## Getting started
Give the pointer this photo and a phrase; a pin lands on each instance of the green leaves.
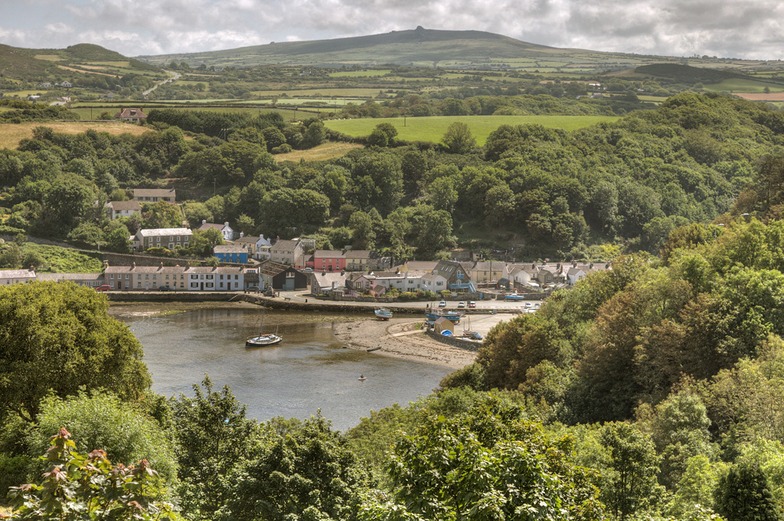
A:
(78, 486)
(57, 338)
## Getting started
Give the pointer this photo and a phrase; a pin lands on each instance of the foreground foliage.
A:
(78, 486)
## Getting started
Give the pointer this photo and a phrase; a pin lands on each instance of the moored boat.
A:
(454, 316)
(267, 339)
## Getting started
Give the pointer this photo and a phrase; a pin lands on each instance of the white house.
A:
(222, 278)
(8, 277)
(225, 229)
(288, 252)
(122, 208)
(169, 238)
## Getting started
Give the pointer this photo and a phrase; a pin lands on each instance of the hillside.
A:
(436, 48)
(79, 64)
(414, 47)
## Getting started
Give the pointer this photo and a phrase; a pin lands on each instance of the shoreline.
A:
(400, 338)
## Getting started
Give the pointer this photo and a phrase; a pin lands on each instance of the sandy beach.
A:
(404, 338)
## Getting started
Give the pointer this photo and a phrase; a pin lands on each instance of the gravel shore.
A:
(402, 338)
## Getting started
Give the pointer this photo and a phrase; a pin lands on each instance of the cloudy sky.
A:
(724, 28)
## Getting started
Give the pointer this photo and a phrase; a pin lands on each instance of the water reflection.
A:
(308, 372)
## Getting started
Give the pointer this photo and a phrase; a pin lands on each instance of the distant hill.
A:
(40, 65)
(436, 48)
(418, 47)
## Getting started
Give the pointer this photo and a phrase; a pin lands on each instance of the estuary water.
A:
(306, 373)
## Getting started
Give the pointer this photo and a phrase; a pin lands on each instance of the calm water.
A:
(308, 371)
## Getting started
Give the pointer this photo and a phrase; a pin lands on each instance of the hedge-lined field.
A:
(432, 128)
(12, 133)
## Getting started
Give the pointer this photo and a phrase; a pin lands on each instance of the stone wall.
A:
(454, 341)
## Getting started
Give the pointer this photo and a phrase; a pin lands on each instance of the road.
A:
(173, 76)
(482, 306)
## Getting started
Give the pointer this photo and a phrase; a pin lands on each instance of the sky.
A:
(722, 28)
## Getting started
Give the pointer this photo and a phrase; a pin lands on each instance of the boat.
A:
(454, 316)
(264, 339)
(383, 313)
(267, 339)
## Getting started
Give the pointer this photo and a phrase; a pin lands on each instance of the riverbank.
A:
(401, 338)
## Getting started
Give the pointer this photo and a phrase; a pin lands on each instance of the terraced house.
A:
(180, 278)
(169, 238)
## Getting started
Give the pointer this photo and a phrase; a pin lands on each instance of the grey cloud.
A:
(670, 27)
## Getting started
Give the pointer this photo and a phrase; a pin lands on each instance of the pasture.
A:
(90, 111)
(12, 133)
(320, 153)
(743, 85)
(432, 128)
(365, 73)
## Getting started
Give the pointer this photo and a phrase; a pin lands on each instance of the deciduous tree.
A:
(57, 337)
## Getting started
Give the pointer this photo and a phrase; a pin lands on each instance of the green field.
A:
(432, 129)
(743, 85)
(368, 73)
(89, 111)
(339, 92)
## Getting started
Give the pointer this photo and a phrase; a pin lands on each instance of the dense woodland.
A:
(649, 391)
(539, 192)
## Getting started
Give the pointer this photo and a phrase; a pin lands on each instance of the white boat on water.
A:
(263, 340)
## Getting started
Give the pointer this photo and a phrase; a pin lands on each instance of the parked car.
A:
(442, 304)
(164, 288)
(253, 288)
(103, 287)
(461, 304)
(471, 304)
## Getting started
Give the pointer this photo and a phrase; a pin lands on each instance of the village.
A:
(247, 263)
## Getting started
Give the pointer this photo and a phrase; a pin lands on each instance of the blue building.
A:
(233, 253)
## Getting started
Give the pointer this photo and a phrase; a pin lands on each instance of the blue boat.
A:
(383, 314)
(454, 316)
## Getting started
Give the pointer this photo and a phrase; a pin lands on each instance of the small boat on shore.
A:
(383, 313)
(454, 316)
